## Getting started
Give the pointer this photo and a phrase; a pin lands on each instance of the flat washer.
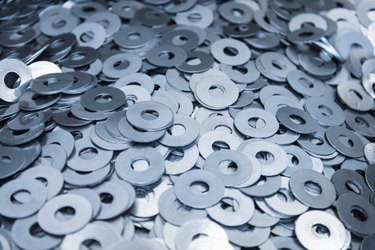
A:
(53, 83)
(325, 111)
(113, 99)
(125, 160)
(321, 200)
(349, 181)
(195, 198)
(240, 56)
(127, 63)
(38, 195)
(305, 124)
(47, 214)
(310, 239)
(357, 214)
(352, 146)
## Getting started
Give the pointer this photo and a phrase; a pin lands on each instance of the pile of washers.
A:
(187, 125)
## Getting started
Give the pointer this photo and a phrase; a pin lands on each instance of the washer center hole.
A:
(354, 187)
(149, 114)
(179, 40)
(36, 231)
(121, 64)
(325, 110)
(237, 12)
(88, 9)
(88, 153)
(140, 164)
(6, 159)
(87, 36)
(223, 128)
(21, 197)
(104, 23)
(359, 213)
(355, 94)
(30, 117)
(293, 160)
(230, 51)
(321, 231)
(256, 122)
(278, 64)
(176, 130)
(219, 145)
(285, 195)
(306, 83)
(166, 55)
(199, 187)
(60, 23)
(57, 43)
(194, 17)
(65, 213)
(50, 81)
(316, 140)
(297, 119)
(217, 90)
(360, 121)
(134, 36)
(265, 157)
(371, 14)
(76, 56)
(229, 204)
(228, 167)
(348, 142)
(106, 198)
(12, 80)
(193, 61)
(241, 68)
(175, 155)
(103, 98)
(92, 244)
(144, 194)
(313, 188)
(183, 208)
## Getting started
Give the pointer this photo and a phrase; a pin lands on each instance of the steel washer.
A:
(354, 146)
(47, 214)
(218, 51)
(183, 192)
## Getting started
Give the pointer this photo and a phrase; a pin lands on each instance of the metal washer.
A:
(219, 47)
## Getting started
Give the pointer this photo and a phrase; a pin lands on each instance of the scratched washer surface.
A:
(195, 124)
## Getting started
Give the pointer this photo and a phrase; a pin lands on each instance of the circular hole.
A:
(194, 17)
(313, 188)
(321, 231)
(237, 12)
(219, 145)
(58, 24)
(145, 194)
(92, 244)
(242, 69)
(317, 140)
(282, 196)
(193, 61)
(12, 80)
(278, 65)
(36, 231)
(30, 116)
(216, 90)
(121, 64)
(176, 130)
(229, 204)
(353, 187)
(6, 159)
(19, 132)
(149, 114)
(183, 208)
(360, 121)
(134, 36)
(88, 153)
(65, 213)
(354, 93)
(77, 56)
(306, 83)
(297, 119)
(50, 81)
(88, 9)
(103, 98)
(86, 36)
(199, 236)
(306, 34)
(223, 128)
(256, 122)
(325, 110)
(230, 51)
(293, 160)
(166, 55)
(348, 142)
(228, 167)
(359, 213)
(57, 43)
(106, 198)
(175, 155)
(179, 40)
(140, 164)
(199, 187)
(104, 23)
(21, 197)
(43, 180)
(265, 157)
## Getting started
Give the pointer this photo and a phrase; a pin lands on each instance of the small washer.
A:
(345, 141)
(90, 34)
(192, 196)
(320, 200)
(47, 214)
(230, 51)
(349, 181)
(297, 120)
(103, 99)
(121, 64)
(325, 111)
(150, 116)
(38, 195)
(309, 237)
(50, 84)
(126, 159)
(166, 56)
